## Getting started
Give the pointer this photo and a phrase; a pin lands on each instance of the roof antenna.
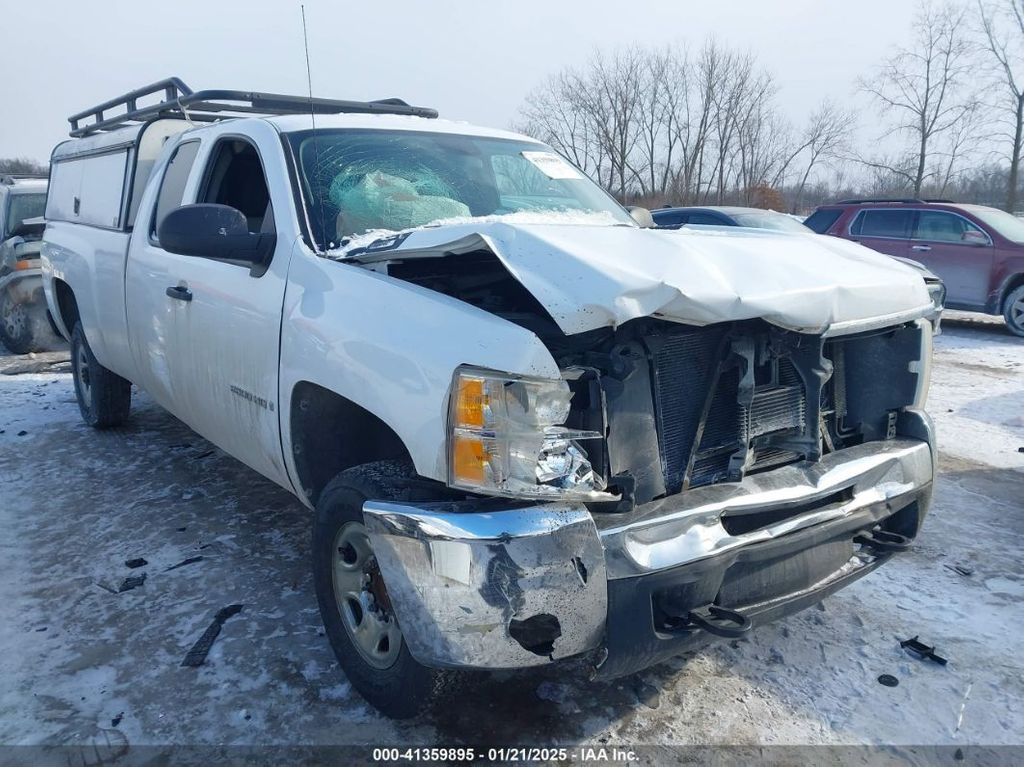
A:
(312, 119)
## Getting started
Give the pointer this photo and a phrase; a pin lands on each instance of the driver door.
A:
(209, 327)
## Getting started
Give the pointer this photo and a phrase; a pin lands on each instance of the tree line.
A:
(685, 126)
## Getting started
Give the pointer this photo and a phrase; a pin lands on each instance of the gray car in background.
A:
(25, 325)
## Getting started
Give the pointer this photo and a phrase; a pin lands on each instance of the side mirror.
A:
(973, 237)
(206, 230)
(642, 216)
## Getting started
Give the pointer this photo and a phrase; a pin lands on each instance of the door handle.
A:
(921, 247)
(179, 293)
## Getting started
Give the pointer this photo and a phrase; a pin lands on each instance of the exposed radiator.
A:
(685, 364)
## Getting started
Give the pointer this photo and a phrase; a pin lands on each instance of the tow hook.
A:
(883, 541)
(720, 621)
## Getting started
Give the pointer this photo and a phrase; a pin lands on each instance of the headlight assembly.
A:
(507, 437)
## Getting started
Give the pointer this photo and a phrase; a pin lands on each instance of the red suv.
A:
(978, 252)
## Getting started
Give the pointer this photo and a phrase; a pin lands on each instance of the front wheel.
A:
(15, 324)
(25, 324)
(1013, 311)
(357, 613)
(104, 398)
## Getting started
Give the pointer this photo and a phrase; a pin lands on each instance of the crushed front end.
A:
(740, 472)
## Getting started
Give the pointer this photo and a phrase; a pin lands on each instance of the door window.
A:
(235, 177)
(883, 223)
(172, 186)
(706, 219)
(668, 219)
(938, 226)
(821, 221)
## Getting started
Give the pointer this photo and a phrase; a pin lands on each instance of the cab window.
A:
(235, 177)
(172, 186)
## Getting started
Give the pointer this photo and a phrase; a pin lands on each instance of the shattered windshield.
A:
(363, 180)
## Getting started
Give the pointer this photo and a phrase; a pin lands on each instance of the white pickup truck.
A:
(530, 429)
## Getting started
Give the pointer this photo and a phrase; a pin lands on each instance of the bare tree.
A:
(660, 124)
(925, 88)
(1002, 28)
(21, 165)
(826, 137)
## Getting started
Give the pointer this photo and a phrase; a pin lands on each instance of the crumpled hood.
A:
(590, 276)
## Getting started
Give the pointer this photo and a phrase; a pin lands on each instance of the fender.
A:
(391, 347)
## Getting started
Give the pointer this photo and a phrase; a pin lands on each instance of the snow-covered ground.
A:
(82, 665)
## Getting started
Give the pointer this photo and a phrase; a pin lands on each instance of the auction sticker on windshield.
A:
(551, 165)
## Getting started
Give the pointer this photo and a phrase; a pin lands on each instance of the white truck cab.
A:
(530, 429)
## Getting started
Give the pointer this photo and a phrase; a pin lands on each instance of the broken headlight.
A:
(507, 437)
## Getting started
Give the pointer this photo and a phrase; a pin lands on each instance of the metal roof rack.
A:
(900, 200)
(181, 101)
(9, 179)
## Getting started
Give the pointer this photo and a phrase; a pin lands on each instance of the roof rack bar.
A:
(172, 87)
(182, 101)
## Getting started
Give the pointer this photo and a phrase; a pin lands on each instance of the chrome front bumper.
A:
(507, 588)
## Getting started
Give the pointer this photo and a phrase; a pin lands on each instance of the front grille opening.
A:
(708, 434)
(740, 523)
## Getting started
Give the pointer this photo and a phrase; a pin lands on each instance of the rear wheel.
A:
(357, 613)
(104, 398)
(1013, 311)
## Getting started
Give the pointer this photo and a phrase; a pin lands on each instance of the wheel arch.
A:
(330, 433)
(67, 308)
(1013, 282)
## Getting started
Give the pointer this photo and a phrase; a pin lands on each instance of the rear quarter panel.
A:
(91, 261)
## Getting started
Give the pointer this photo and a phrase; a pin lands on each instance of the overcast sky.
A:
(473, 60)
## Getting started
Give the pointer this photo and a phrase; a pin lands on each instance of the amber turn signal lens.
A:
(18, 265)
(469, 459)
(470, 402)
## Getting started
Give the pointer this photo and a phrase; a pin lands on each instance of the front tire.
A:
(1013, 311)
(358, 618)
(104, 398)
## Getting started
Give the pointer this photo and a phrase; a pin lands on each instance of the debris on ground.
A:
(136, 562)
(195, 656)
(961, 569)
(117, 719)
(182, 563)
(22, 433)
(888, 680)
(922, 650)
(647, 694)
(129, 583)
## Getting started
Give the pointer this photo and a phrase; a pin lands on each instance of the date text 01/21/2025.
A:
(504, 754)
